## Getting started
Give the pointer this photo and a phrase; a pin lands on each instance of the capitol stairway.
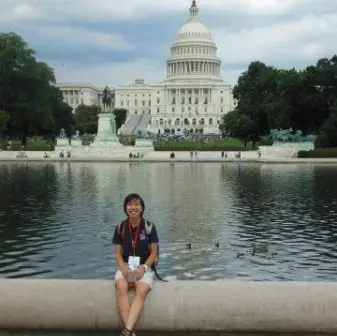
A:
(131, 124)
(142, 125)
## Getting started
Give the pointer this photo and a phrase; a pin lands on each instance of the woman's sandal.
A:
(126, 332)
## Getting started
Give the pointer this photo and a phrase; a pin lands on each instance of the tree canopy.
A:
(30, 103)
(86, 118)
(269, 98)
(120, 115)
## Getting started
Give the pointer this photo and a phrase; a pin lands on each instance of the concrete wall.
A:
(85, 152)
(238, 307)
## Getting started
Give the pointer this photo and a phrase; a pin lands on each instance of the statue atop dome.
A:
(194, 11)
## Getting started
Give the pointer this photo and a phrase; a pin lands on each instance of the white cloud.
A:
(110, 73)
(279, 32)
(54, 10)
(310, 38)
(26, 12)
(75, 37)
(264, 7)
(20, 10)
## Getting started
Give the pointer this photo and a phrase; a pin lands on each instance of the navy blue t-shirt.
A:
(142, 246)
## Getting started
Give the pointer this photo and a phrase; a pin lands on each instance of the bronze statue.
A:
(106, 98)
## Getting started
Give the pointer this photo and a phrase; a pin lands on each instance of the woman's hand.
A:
(126, 273)
(139, 272)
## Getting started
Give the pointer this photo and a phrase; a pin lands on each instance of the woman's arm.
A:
(153, 255)
(119, 257)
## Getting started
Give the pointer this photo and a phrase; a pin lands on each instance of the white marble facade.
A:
(193, 95)
(75, 94)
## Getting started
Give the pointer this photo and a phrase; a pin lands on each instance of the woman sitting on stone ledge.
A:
(135, 252)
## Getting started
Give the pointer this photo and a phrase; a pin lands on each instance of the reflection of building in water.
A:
(196, 198)
(193, 97)
(76, 182)
(184, 199)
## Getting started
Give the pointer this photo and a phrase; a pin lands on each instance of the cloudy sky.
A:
(113, 42)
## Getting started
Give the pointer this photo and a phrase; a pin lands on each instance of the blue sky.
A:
(111, 42)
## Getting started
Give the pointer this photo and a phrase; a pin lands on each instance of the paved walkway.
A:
(153, 156)
(83, 333)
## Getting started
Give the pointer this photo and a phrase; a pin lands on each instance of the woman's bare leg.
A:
(142, 288)
(122, 299)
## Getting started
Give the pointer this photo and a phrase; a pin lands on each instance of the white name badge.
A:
(133, 262)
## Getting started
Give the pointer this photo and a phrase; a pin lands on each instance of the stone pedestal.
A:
(76, 143)
(285, 149)
(62, 144)
(106, 142)
(143, 145)
(106, 133)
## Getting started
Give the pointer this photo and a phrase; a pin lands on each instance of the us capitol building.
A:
(192, 98)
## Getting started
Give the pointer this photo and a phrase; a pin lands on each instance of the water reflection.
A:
(56, 220)
(27, 230)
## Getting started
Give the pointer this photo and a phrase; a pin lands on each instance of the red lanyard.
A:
(134, 240)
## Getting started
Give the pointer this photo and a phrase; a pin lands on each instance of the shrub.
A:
(226, 145)
(87, 139)
(265, 142)
(34, 143)
(127, 140)
(319, 153)
(39, 144)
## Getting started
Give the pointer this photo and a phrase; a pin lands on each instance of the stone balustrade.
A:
(179, 306)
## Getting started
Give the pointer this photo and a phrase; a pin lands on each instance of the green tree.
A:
(25, 88)
(278, 98)
(120, 117)
(254, 88)
(86, 118)
(4, 118)
(327, 136)
(241, 126)
(62, 113)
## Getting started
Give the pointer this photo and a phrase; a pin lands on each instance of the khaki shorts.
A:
(148, 277)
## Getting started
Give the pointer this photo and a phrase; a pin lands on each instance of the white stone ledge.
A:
(180, 306)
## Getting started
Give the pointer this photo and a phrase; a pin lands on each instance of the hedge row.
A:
(319, 153)
(32, 144)
(226, 145)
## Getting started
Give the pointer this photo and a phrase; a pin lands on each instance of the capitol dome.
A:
(193, 30)
(193, 53)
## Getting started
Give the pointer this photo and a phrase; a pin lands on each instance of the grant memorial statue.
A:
(106, 133)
